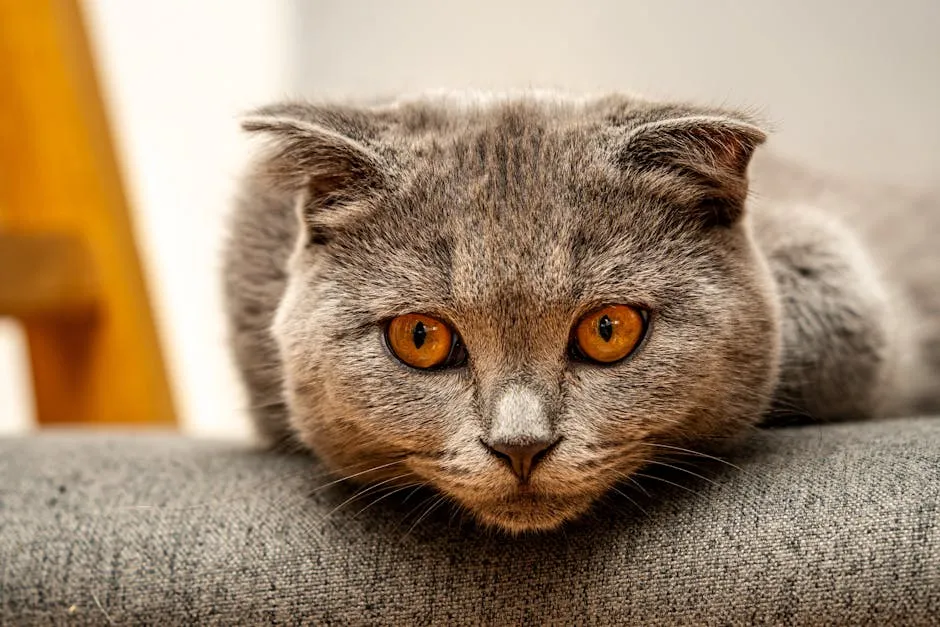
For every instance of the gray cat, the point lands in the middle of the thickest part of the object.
(521, 301)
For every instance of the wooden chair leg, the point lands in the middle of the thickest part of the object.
(70, 267)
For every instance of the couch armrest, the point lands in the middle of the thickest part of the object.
(834, 524)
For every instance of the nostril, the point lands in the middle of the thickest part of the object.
(542, 453)
(496, 452)
(521, 457)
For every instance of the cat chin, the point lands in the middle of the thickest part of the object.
(528, 516)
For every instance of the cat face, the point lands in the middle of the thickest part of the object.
(501, 229)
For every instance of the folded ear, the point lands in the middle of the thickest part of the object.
(699, 163)
(327, 168)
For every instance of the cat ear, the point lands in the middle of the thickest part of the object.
(329, 164)
(699, 163)
(326, 167)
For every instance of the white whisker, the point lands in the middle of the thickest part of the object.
(696, 453)
(362, 492)
(635, 504)
(440, 500)
(388, 494)
(685, 470)
(347, 477)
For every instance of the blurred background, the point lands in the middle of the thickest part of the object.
(850, 86)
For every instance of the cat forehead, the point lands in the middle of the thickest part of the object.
(520, 166)
(524, 191)
(493, 241)
(510, 167)
(512, 198)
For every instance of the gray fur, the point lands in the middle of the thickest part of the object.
(520, 418)
(511, 218)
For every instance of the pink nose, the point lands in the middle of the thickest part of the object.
(522, 458)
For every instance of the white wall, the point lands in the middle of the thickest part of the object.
(177, 74)
(16, 401)
(851, 85)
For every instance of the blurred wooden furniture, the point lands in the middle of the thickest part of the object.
(69, 267)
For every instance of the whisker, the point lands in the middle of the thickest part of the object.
(412, 493)
(440, 501)
(363, 491)
(453, 514)
(635, 504)
(327, 470)
(396, 490)
(696, 453)
(347, 477)
(635, 483)
(672, 483)
(416, 507)
(685, 470)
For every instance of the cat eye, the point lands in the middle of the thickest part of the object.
(424, 342)
(608, 334)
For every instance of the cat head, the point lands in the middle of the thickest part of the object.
(517, 301)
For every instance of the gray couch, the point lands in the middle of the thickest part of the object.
(819, 525)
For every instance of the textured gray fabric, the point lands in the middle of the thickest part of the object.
(835, 524)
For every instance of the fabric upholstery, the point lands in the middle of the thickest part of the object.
(819, 525)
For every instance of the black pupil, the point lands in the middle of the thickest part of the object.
(419, 334)
(605, 328)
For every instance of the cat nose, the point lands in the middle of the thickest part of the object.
(520, 433)
(522, 458)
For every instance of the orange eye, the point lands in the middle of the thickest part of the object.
(420, 341)
(609, 334)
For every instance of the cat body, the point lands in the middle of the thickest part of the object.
(511, 219)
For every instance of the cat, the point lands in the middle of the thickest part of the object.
(521, 300)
